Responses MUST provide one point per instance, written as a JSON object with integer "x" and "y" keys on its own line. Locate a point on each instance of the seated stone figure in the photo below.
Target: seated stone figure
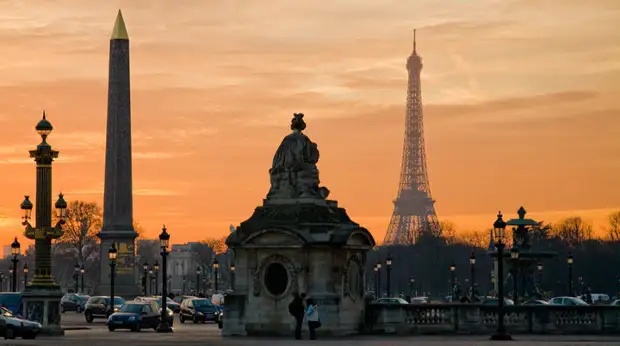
{"x": 294, "y": 173}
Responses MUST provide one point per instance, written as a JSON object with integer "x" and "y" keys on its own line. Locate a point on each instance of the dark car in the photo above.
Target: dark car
{"x": 99, "y": 306}
{"x": 180, "y": 299}
{"x": 171, "y": 304}
{"x": 12, "y": 301}
{"x": 198, "y": 310}
{"x": 135, "y": 316}
{"x": 169, "y": 313}
{"x": 73, "y": 302}
{"x": 11, "y": 326}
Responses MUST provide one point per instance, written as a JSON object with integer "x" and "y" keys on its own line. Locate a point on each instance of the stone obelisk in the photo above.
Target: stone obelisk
{"x": 118, "y": 196}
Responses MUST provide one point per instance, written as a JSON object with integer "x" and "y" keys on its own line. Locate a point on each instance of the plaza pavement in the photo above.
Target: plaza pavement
{"x": 209, "y": 334}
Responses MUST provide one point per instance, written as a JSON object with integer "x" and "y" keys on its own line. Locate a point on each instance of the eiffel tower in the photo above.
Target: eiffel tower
{"x": 414, "y": 208}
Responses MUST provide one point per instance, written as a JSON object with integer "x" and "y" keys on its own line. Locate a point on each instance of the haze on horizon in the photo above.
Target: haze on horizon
{"x": 520, "y": 98}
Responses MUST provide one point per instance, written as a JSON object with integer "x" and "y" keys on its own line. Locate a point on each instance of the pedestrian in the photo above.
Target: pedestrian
{"x": 314, "y": 321}
{"x": 296, "y": 309}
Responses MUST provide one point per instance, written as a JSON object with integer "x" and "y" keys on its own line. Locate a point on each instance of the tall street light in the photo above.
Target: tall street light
{"x": 164, "y": 240}
{"x": 379, "y": 287}
{"x": 43, "y": 233}
{"x": 25, "y": 275}
{"x": 388, "y": 264}
{"x": 411, "y": 286}
{"x": 145, "y": 269}
{"x": 156, "y": 271}
{"x": 499, "y": 230}
{"x": 76, "y": 277}
{"x": 376, "y": 269}
{"x": 569, "y": 261}
{"x": 233, "y": 268}
{"x": 151, "y": 280}
{"x": 198, "y": 271}
{"x": 472, "y": 266}
{"x": 15, "y": 251}
{"x": 514, "y": 256}
{"x": 216, "y": 267}
{"x": 453, "y": 280}
{"x": 112, "y": 253}
{"x": 82, "y": 272}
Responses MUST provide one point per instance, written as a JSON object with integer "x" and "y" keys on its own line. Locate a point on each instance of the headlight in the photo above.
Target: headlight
{"x": 198, "y": 313}
{"x": 131, "y": 318}
{"x": 170, "y": 313}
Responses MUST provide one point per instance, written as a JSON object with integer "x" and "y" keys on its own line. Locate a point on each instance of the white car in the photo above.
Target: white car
{"x": 11, "y": 327}
{"x": 399, "y": 301}
{"x": 567, "y": 301}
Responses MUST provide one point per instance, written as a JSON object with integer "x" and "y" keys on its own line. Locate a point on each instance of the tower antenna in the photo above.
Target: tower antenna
{"x": 414, "y": 41}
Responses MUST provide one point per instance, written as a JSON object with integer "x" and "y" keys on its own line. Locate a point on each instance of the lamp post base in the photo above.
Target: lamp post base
{"x": 164, "y": 327}
{"x": 501, "y": 336}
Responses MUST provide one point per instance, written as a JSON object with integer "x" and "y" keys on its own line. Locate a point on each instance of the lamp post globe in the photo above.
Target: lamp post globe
{"x": 164, "y": 239}
{"x": 499, "y": 230}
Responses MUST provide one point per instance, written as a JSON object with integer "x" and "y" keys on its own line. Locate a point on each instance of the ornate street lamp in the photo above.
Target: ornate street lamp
{"x": 472, "y": 267}
{"x": 25, "y": 275}
{"x": 411, "y": 284}
{"x": 233, "y": 268}
{"x": 43, "y": 233}
{"x": 82, "y": 272}
{"x": 388, "y": 264}
{"x": 156, "y": 271}
{"x": 164, "y": 240}
{"x": 112, "y": 253}
{"x": 569, "y": 261}
{"x": 145, "y": 273}
{"x": 499, "y": 230}
{"x": 15, "y": 251}
{"x": 76, "y": 277}
{"x": 151, "y": 280}
{"x": 1, "y": 281}
{"x": 514, "y": 256}
{"x": 198, "y": 271}
{"x": 216, "y": 267}
{"x": 376, "y": 269}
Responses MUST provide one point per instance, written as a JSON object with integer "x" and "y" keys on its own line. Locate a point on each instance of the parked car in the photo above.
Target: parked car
{"x": 495, "y": 301}
{"x": 536, "y": 302}
{"x": 419, "y": 300}
{"x": 12, "y": 301}
{"x": 567, "y": 301}
{"x": 73, "y": 302}
{"x": 400, "y": 301}
{"x": 597, "y": 298}
{"x": 198, "y": 310}
{"x": 99, "y": 306}
{"x": 12, "y": 327}
{"x": 135, "y": 316}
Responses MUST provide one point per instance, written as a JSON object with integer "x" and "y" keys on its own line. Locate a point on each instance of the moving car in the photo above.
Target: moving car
{"x": 99, "y": 306}
{"x": 11, "y": 327}
{"x": 180, "y": 299}
{"x": 135, "y": 316}
{"x": 198, "y": 310}
{"x": 170, "y": 312}
{"x": 73, "y": 302}
{"x": 171, "y": 304}
{"x": 535, "y": 302}
{"x": 495, "y": 301}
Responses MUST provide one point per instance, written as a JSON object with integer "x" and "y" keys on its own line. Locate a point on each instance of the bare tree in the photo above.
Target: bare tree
{"x": 475, "y": 238}
{"x": 82, "y": 223}
{"x": 448, "y": 231}
{"x": 614, "y": 226}
{"x": 218, "y": 245}
{"x": 573, "y": 231}
{"x": 137, "y": 227}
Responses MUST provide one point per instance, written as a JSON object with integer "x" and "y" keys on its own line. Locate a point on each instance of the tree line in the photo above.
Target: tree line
{"x": 425, "y": 266}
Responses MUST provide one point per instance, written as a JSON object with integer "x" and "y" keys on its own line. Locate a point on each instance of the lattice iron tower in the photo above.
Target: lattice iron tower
{"x": 414, "y": 208}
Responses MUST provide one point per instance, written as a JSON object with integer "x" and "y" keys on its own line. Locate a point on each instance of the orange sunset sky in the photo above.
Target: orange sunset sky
{"x": 521, "y": 104}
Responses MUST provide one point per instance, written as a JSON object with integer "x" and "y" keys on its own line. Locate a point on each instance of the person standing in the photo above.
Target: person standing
{"x": 296, "y": 309}
{"x": 314, "y": 321}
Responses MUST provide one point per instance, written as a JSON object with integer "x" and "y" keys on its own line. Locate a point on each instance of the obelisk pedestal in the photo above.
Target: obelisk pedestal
{"x": 118, "y": 195}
